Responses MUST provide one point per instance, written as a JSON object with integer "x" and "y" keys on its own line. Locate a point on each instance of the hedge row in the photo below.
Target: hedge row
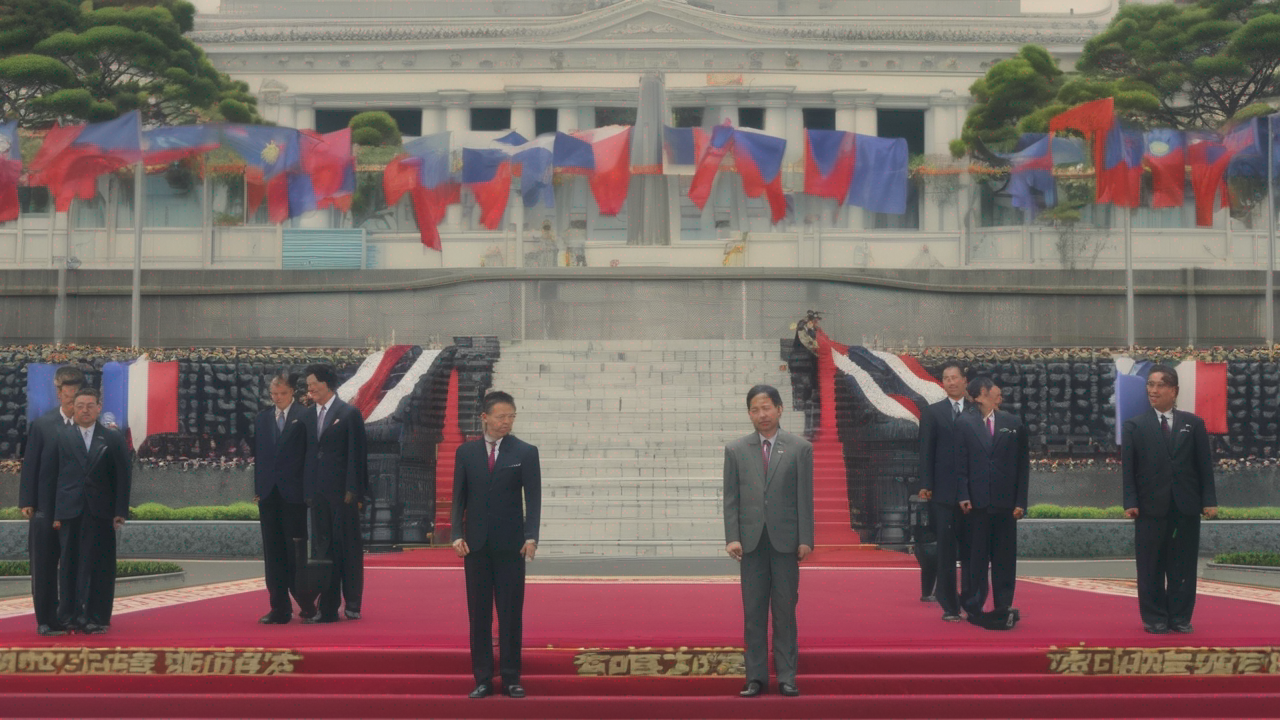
{"x": 124, "y": 568}
{"x": 156, "y": 511}
{"x": 1254, "y": 559}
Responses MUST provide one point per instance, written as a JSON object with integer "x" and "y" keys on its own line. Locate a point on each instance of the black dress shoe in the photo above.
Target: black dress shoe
{"x": 320, "y": 619}
{"x": 951, "y": 617}
{"x": 788, "y": 690}
{"x": 352, "y": 614}
{"x": 1183, "y": 627}
{"x": 482, "y": 690}
{"x": 274, "y": 618}
{"x": 95, "y": 629}
{"x": 51, "y": 630}
{"x": 1158, "y": 628}
{"x": 928, "y": 598}
{"x": 753, "y": 688}
{"x": 514, "y": 690}
{"x": 307, "y": 612}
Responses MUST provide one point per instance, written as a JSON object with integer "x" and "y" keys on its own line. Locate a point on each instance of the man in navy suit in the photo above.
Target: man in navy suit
{"x": 497, "y": 506}
{"x": 942, "y": 488}
{"x": 1168, "y": 485}
{"x": 335, "y": 482}
{"x": 36, "y": 500}
{"x": 280, "y": 451}
{"x": 90, "y": 465}
{"x": 992, "y": 456}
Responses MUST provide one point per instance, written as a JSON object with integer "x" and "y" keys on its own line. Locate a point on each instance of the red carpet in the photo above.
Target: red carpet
{"x": 446, "y": 454}
{"x": 869, "y": 648}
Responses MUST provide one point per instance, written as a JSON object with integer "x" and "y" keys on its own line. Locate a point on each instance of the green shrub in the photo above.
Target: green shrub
{"x": 124, "y": 568}
{"x": 235, "y": 511}
{"x": 1255, "y": 559}
{"x": 1058, "y": 512}
{"x": 10, "y": 513}
{"x": 1253, "y": 513}
{"x": 388, "y": 133}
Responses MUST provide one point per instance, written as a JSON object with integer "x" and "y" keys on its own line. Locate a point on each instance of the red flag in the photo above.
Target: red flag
{"x": 399, "y": 177}
{"x": 1093, "y": 120}
{"x": 10, "y": 171}
{"x": 325, "y": 158}
{"x": 1164, "y": 153}
{"x": 492, "y": 195}
{"x": 429, "y": 206}
{"x": 828, "y": 163}
{"x": 1208, "y": 159}
{"x": 709, "y": 164}
{"x": 275, "y": 191}
{"x": 612, "y": 177}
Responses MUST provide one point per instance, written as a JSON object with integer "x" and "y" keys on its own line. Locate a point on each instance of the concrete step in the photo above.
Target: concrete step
{"x": 632, "y": 548}
{"x": 631, "y": 529}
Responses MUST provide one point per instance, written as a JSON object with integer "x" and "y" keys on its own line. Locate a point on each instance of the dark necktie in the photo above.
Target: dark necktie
{"x": 955, "y": 410}
{"x": 320, "y": 423}
{"x": 493, "y": 455}
{"x": 766, "y": 457}
{"x": 279, "y": 422}
{"x": 1164, "y": 425}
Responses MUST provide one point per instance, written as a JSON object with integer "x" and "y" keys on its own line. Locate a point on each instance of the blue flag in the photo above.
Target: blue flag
{"x": 274, "y": 150}
{"x": 879, "y": 175}
{"x": 42, "y": 396}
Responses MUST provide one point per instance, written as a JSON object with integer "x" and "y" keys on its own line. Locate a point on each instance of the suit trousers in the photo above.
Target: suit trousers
{"x": 43, "y": 549}
{"x": 952, "y": 527}
{"x": 337, "y": 537}
{"x": 1167, "y": 549}
{"x": 87, "y": 570}
{"x": 770, "y": 582}
{"x": 280, "y": 522}
{"x": 993, "y": 546}
{"x": 495, "y": 578}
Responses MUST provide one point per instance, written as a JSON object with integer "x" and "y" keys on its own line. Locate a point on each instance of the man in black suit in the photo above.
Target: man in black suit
{"x": 90, "y": 465}
{"x": 280, "y": 452}
{"x": 992, "y": 456}
{"x": 497, "y": 505}
{"x": 1168, "y": 485}
{"x": 941, "y": 482}
{"x": 336, "y": 479}
{"x": 35, "y": 498}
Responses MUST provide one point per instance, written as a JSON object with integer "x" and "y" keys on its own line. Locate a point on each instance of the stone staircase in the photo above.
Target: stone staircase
{"x": 631, "y": 435}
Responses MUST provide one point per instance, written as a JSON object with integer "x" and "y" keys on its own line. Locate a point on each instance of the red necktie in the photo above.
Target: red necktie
{"x": 1164, "y": 425}
{"x": 766, "y": 457}
{"x": 493, "y": 455}
{"x": 991, "y": 426}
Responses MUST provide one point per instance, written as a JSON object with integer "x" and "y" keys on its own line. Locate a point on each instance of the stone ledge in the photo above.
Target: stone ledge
{"x": 19, "y": 585}
{"x": 1114, "y": 538}
{"x": 169, "y": 539}
{"x": 1243, "y": 574}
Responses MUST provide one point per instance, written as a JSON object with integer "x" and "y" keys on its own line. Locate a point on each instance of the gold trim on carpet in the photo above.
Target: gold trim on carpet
{"x": 1129, "y": 588}
{"x": 147, "y": 661}
{"x": 1165, "y": 661}
{"x": 662, "y": 662}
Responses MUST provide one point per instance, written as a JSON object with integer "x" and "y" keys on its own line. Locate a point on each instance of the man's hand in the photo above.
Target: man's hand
{"x": 1131, "y": 513}
{"x": 349, "y": 498}
{"x": 926, "y": 494}
{"x": 1211, "y": 513}
{"x": 1018, "y": 513}
{"x": 57, "y": 524}
{"x": 256, "y": 499}
{"x": 28, "y": 511}
{"x": 966, "y": 506}
{"x": 803, "y": 551}
{"x": 529, "y": 550}
{"x": 734, "y": 549}
{"x": 118, "y": 522}
{"x": 460, "y": 547}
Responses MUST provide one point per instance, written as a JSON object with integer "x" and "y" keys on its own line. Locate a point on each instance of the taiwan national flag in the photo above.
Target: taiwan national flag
{"x": 879, "y": 175}
{"x": 1119, "y": 179}
{"x": 164, "y": 145}
{"x": 709, "y": 164}
{"x": 424, "y": 171}
{"x": 1164, "y": 152}
{"x": 10, "y": 171}
{"x": 73, "y": 157}
{"x": 758, "y": 158}
{"x": 327, "y": 176}
{"x": 272, "y": 150}
{"x": 487, "y": 173}
{"x": 1208, "y": 158}
{"x": 141, "y": 396}
{"x": 829, "y": 157}
{"x": 1032, "y": 170}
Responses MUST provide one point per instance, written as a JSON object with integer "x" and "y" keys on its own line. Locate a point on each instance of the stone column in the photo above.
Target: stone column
{"x": 432, "y": 118}
{"x": 523, "y": 100}
{"x": 567, "y": 114}
{"x": 942, "y": 125}
{"x": 457, "y": 120}
{"x": 864, "y": 123}
{"x": 286, "y": 113}
{"x": 304, "y": 114}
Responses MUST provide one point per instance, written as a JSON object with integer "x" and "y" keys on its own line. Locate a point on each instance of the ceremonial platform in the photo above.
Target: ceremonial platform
{"x": 667, "y": 647}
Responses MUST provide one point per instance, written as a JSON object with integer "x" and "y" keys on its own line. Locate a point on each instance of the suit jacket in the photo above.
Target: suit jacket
{"x": 487, "y": 506}
{"x": 279, "y": 462}
{"x": 96, "y": 481}
{"x": 32, "y": 492}
{"x": 1161, "y": 474}
{"x": 938, "y": 451}
{"x": 337, "y": 461}
{"x": 994, "y": 470}
{"x": 782, "y": 502}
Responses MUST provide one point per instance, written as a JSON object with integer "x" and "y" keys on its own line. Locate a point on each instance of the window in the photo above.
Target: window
{"x": 490, "y": 118}
{"x": 606, "y": 116}
{"x": 34, "y": 200}
{"x": 751, "y": 117}
{"x": 92, "y": 214}
{"x": 821, "y": 118}
{"x": 909, "y": 125}
{"x": 172, "y": 200}
{"x": 545, "y": 120}
{"x": 687, "y": 117}
{"x": 409, "y": 120}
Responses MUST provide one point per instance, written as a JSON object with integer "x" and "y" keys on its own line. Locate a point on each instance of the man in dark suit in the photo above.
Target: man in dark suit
{"x": 35, "y": 498}
{"x": 1168, "y": 485}
{"x": 280, "y": 452}
{"x": 941, "y": 483}
{"x": 497, "y": 508}
{"x": 768, "y": 528}
{"x": 992, "y": 456}
{"x": 90, "y": 465}
{"x": 335, "y": 480}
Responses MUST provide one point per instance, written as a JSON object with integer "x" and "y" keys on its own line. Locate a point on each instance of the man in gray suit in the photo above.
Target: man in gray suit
{"x": 768, "y": 527}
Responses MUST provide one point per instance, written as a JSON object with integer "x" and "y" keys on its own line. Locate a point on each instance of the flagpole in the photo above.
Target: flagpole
{"x": 60, "y": 304}
{"x": 1270, "y": 304}
{"x": 1128, "y": 276}
{"x": 139, "y": 177}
